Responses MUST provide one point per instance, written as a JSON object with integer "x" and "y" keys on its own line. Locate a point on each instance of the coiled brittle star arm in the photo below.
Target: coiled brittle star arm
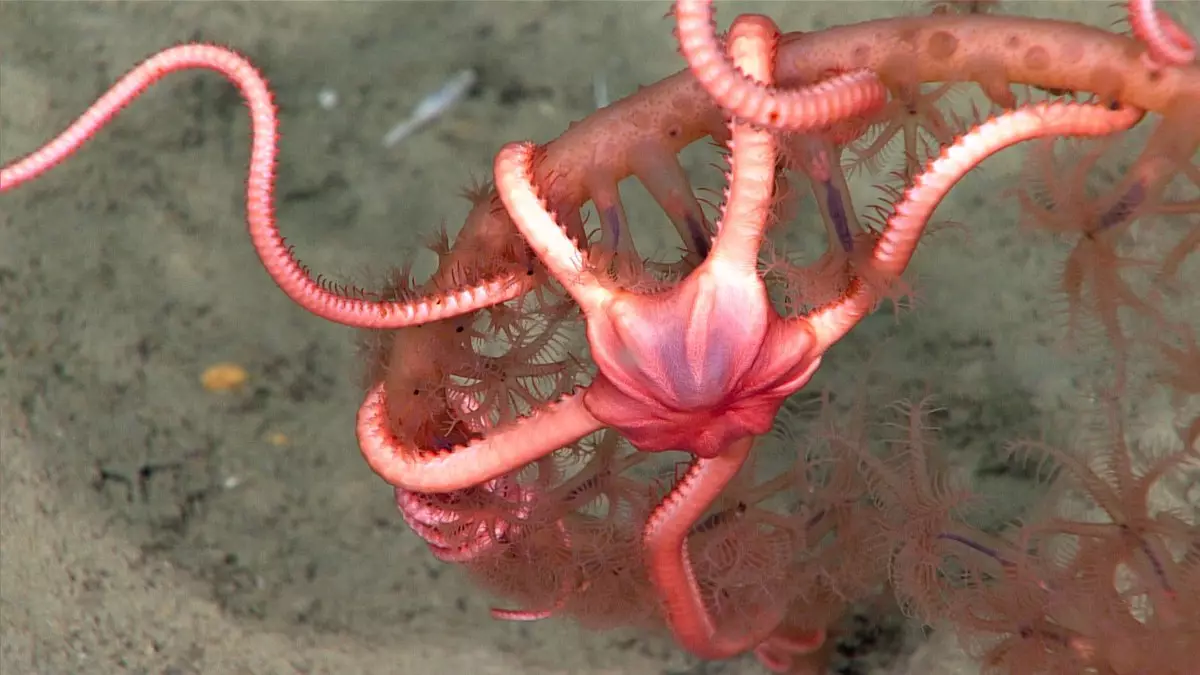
{"x": 1167, "y": 44}
{"x": 796, "y": 110}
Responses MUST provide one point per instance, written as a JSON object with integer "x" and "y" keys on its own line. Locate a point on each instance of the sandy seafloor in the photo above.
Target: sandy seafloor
{"x": 150, "y": 526}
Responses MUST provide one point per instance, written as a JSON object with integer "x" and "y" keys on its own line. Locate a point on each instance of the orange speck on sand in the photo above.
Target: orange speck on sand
{"x": 224, "y": 377}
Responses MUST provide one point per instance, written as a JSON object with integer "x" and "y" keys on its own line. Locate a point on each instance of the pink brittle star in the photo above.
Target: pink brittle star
{"x": 702, "y": 367}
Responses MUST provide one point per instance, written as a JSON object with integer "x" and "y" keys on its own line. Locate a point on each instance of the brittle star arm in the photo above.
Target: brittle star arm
{"x": 275, "y": 253}
{"x": 502, "y": 450}
{"x": 561, "y": 256}
{"x": 670, "y": 569}
{"x": 751, "y": 42}
{"x": 902, "y": 232}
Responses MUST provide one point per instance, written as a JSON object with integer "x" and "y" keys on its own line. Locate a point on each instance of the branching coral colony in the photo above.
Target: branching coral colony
{"x": 527, "y": 456}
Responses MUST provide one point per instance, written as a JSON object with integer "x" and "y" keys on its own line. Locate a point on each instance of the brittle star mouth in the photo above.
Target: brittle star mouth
{"x": 696, "y": 367}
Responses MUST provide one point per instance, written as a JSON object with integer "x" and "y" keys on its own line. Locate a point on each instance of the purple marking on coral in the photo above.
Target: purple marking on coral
{"x": 991, "y": 553}
{"x": 837, "y": 211}
{"x": 699, "y": 236}
{"x": 1123, "y": 208}
{"x": 611, "y": 220}
{"x": 1157, "y": 565}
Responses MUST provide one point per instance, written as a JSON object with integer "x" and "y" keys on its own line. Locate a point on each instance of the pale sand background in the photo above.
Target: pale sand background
{"x": 127, "y": 271}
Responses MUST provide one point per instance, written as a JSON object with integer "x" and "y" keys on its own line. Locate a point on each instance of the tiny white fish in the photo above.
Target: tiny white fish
{"x": 600, "y": 89}
{"x": 327, "y": 98}
{"x": 433, "y": 106}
